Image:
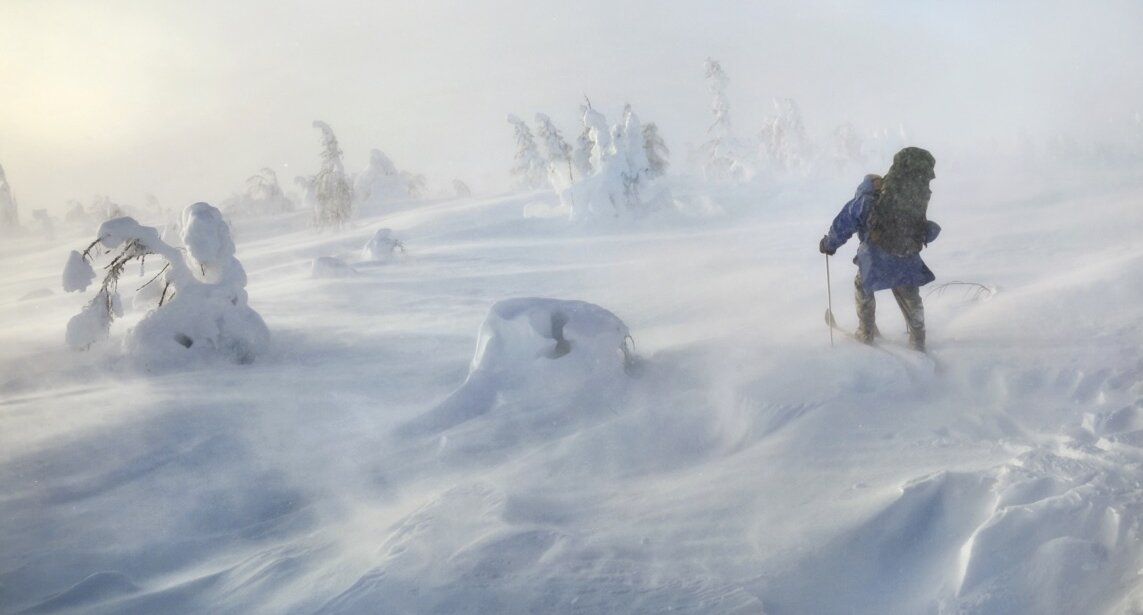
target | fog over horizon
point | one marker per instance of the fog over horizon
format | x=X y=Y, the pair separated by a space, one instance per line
x=186 y=100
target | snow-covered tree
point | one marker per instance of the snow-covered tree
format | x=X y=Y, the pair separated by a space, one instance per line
x=581 y=157
x=263 y=196
x=202 y=309
x=721 y=156
x=884 y=143
x=598 y=135
x=415 y=184
x=655 y=149
x=332 y=191
x=622 y=171
x=461 y=189
x=638 y=168
x=557 y=151
x=45 y=224
x=847 y=148
x=9 y=215
x=381 y=182
x=783 y=138
x=530 y=170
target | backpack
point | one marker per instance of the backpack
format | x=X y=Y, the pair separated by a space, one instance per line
x=897 y=225
x=897 y=221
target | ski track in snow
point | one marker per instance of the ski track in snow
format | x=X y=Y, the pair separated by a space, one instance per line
x=740 y=465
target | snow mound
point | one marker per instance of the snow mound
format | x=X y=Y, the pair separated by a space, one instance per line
x=199 y=323
x=324 y=267
x=521 y=337
x=532 y=349
x=382 y=247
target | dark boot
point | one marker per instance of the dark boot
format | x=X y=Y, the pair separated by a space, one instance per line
x=866 y=313
x=909 y=300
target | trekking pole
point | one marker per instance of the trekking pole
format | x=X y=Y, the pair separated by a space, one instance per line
x=829 y=303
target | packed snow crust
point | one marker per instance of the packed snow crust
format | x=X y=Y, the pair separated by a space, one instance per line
x=473 y=432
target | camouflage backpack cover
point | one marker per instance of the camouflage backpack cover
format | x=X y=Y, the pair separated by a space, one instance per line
x=897 y=221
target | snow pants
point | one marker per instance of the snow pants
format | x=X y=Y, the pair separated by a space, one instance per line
x=908 y=299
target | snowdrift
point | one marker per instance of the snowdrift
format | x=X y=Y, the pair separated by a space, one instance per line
x=379 y=458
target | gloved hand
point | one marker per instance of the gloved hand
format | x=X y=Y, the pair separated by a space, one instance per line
x=823 y=246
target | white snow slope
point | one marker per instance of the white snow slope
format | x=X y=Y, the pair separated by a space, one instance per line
x=740 y=465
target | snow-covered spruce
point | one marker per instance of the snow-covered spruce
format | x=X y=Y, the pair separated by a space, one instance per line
x=723 y=159
x=530 y=170
x=332 y=192
x=783 y=139
x=202 y=311
x=558 y=152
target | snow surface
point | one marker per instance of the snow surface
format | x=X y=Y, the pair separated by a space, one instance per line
x=415 y=439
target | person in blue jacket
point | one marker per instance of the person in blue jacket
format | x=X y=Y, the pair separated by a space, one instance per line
x=890 y=263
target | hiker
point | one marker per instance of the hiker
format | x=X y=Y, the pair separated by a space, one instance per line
x=889 y=216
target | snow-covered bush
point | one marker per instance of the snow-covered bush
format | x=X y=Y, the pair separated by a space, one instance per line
x=9 y=215
x=263 y=196
x=383 y=246
x=202 y=310
x=332 y=192
x=530 y=170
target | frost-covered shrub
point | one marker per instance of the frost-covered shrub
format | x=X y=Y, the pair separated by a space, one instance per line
x=332 y=192
x=263 y=196
x=9 y=215
x=383 y=246
x=202 y=310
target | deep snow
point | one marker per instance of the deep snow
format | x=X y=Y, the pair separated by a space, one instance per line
x=387 y=454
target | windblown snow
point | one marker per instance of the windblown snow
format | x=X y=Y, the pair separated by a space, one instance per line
x=524 y=414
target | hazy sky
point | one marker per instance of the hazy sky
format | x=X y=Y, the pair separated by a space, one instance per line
x=185 y=99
